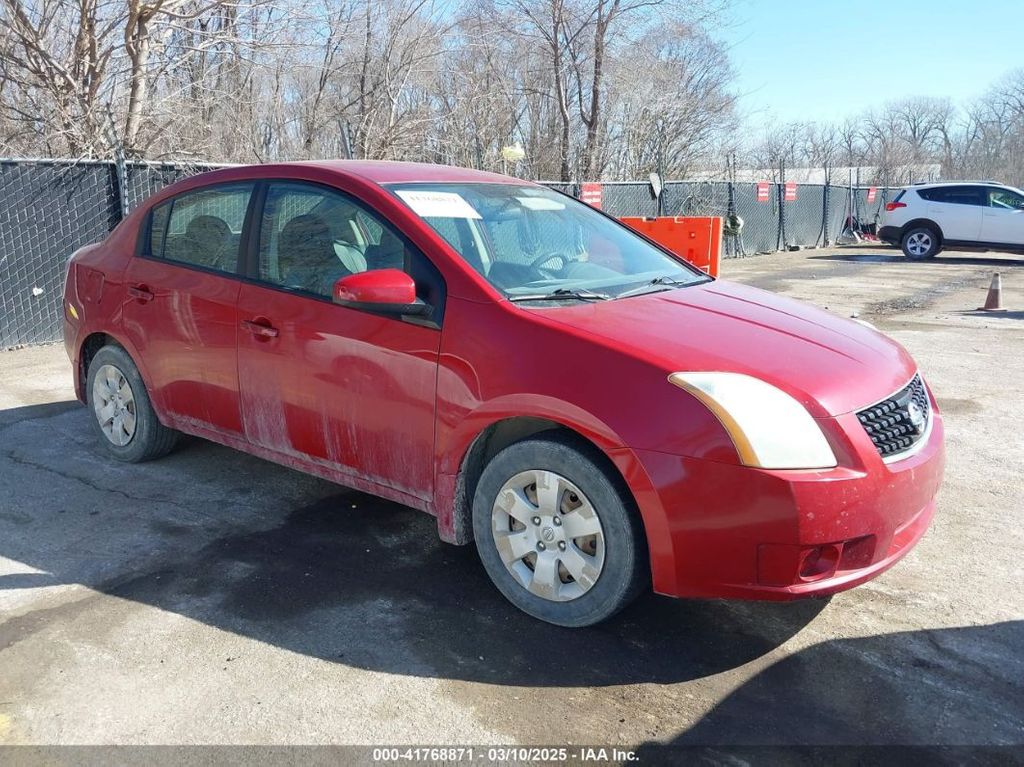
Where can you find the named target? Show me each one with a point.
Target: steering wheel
(538, 262)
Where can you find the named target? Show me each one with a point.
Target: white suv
(926, 218)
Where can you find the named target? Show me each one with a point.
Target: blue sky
(824, 59)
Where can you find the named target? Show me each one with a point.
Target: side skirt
(304, 464)
(981, 247)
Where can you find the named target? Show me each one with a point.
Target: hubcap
(548, 535)
(919, 243)
(114, 404)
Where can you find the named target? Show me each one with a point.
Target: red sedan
(597, 415)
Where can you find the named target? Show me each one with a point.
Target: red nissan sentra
(596, 414)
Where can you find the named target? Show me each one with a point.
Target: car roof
(975, 182)
(374, 171)
(393, 172)
(941, 184)
(379, 172)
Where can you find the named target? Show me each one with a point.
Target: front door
(181, 301)
(1003, 218)
(348, 388)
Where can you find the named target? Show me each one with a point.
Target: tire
(569, 483)
(920, 243)
(122, 414)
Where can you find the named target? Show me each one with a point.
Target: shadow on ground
(896, 256)
(1005, 315)
(957, 686)
(29, 412)
(344, 576)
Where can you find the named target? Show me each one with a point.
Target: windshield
(534, 244)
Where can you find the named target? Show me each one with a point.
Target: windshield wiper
(655, 285)
(561, 294)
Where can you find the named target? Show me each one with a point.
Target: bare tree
(674, 116)
(64, 62)
(54, 61)
(588, 87)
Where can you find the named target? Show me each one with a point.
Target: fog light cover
(819, 562)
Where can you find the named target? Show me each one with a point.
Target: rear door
(180, 311)
(348, 388)
(1003, 217)
(956, 209)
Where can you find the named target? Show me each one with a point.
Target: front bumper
(738, 532)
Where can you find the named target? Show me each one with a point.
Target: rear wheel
(920, 243)
(557, 535)
(122, 413)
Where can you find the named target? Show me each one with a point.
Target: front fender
(462, 436)
(452, 447)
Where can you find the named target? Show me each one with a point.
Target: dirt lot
(212, 597)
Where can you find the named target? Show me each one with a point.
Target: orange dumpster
(696, 239)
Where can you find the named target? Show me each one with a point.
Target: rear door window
(201, 228)
(956, 195)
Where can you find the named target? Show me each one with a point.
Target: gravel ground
(212, 597)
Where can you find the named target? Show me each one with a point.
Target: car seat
(306, 256)
(207, 242)
(389, 253)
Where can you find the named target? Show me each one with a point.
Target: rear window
(956, 195)
(898, 197)
(201, 228)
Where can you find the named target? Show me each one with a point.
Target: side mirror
(380, 290)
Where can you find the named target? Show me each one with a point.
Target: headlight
(770, 429)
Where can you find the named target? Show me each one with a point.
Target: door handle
(140, 292)
(260, 328)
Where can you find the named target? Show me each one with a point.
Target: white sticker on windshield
(540, 203)
(438, 204)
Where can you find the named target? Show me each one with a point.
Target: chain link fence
(46, 212)
(816, 218)
(50, 208)
(761, 220)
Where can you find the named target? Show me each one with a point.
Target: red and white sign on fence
(790, 191)
(872, 193)
(762, 191)
(591, 194)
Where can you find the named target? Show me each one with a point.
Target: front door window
(311, 237)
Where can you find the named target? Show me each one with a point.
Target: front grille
(896, 424)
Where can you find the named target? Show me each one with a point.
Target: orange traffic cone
(994, 299)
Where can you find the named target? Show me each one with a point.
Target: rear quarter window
(158, 217)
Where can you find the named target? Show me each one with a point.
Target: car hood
(830, 364)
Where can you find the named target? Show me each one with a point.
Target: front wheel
(557, 534)
(920, 243)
